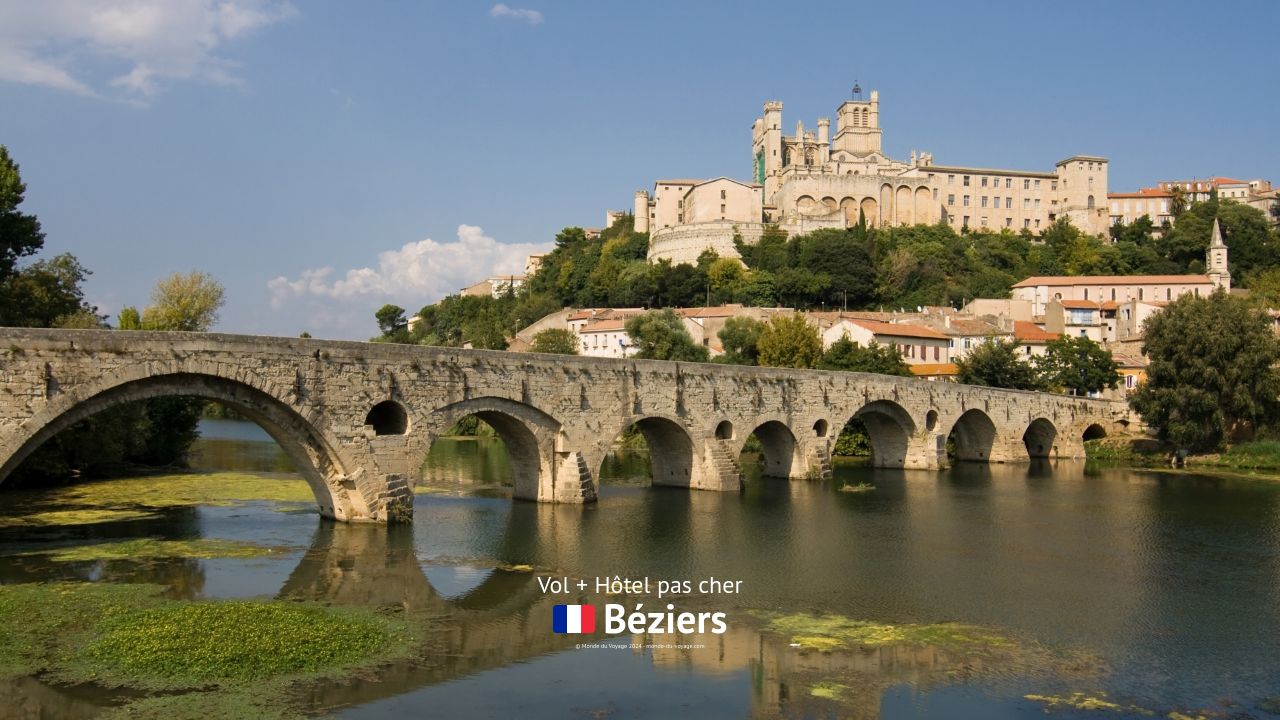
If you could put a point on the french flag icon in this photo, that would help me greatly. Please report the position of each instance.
(573, 619)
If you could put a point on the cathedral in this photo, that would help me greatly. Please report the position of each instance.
(807, 181)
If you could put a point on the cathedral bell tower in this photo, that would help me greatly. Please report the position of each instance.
(1215, 260)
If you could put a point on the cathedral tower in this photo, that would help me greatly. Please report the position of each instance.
(858, 127)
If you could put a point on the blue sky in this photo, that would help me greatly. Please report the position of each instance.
(410, 148)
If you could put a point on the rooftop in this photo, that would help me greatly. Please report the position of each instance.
(1070, 280)
(897, 329)
(1031, 333)
(935, 369)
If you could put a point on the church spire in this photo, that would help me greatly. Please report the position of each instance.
(1215, 240)
(1215, 259)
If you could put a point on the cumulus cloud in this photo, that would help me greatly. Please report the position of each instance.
(417, 273)
(135, 47)
(533, 17)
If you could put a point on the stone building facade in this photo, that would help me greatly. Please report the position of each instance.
(812, 180)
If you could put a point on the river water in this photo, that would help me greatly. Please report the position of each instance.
(1159, 592)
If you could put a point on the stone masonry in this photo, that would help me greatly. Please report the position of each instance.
(358, 419)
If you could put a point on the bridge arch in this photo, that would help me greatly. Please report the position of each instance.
(528, 433)
(779, 449)
(671, 456)
(1094, 431)
(889, 427)
(974, 434)
(1039, 437)
(312, 449)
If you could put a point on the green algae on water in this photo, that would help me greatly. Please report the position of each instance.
(826, 633)
(139, 498)
(828, 690)
(85, 516)
(192, 643)
(128, 636)
(1085, 701)
(146, 548)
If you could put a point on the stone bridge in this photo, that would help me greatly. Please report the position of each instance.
(358, 419)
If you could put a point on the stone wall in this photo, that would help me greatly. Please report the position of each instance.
(559, 416)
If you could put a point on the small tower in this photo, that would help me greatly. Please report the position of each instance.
(642, 211)
(1215, 260)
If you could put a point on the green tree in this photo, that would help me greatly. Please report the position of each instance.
(1077, 365)
(845, 354)
(44, 291)
(556, 341)
(1212, 374)
(20, 234)
(660, 335)
(1264, 286)
(789, 341)
(129, 318)
(184, 301)
(740, 337)
(997, 363)
(390, 319)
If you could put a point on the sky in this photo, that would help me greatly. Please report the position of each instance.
(324, 158)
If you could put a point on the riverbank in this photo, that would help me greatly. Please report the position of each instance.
(1254, 458)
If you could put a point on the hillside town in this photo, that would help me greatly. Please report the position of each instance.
(809, 182)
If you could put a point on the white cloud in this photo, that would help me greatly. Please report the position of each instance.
(533, 17)
(135, 46)
(416, 274)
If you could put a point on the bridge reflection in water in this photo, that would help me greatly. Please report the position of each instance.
(504, 620)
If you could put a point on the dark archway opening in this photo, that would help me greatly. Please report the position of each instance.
(971, 437)
(1094, 432)
(724, 431)
(120, 421)
(654, 449)
(1039, 438)
(484, 449)
(177, 432)
(886, 427)
(770, 451)
(388, 418)
(820, 428)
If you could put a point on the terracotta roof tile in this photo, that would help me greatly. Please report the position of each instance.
(1031, 333)
(897, 329)
(935, 369)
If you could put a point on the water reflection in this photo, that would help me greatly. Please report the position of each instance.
(1162, 589)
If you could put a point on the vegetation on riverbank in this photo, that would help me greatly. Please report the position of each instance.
(242, 652)
(1254, 457)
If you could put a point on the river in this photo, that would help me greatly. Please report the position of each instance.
(1153, 592)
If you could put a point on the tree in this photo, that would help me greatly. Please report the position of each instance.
(41, 293)
(660, 335)
(184, 301)
(1212, 374)
(556, 341)
(129, 318)
(845, 354)
(20, 233)
(739, 337)
(996, 363)
(1078, 365)
(789, 341)
(390, 319)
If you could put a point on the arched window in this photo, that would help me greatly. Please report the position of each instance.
(1090, 202)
